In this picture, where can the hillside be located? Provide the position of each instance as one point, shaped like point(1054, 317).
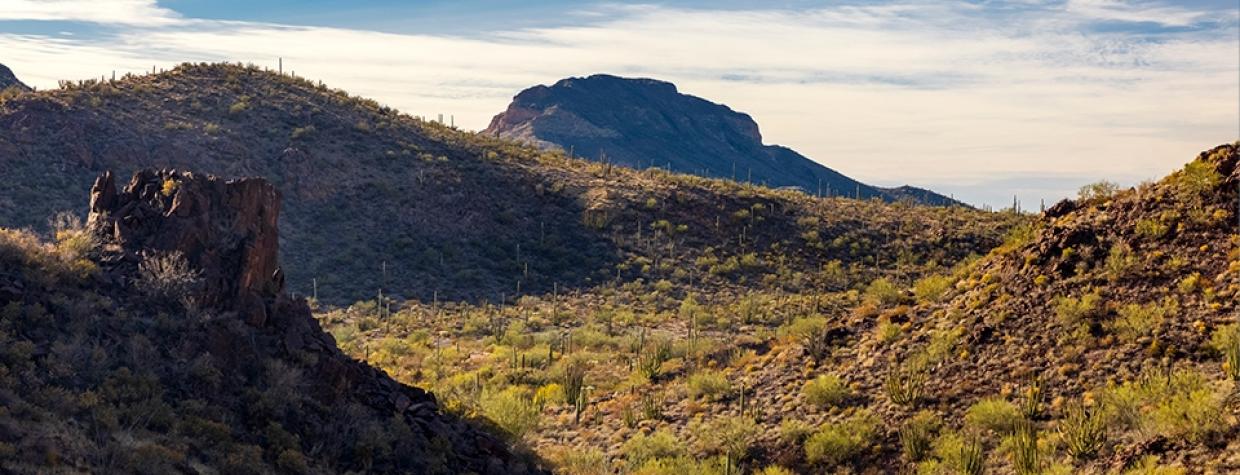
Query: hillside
point(379, 200)
point(1100, 337)
point(641, 123)
point(158, 339)
point(9, 82)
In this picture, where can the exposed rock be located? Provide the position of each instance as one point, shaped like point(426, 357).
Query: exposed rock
point(644, 123)
point(227, 232)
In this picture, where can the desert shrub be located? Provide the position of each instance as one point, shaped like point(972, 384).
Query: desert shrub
point(774, 470)
point(1196, 179)
point(794, 431)
point(1120, 261)
point(1149, 465)
point(882, 292)
point(573, 461)
point(994, 414)
point(1082, 430)
point(904, 384)
point(838, 443)
point(1180, 404)
point(886, 331)
point(512, 410)
point(825, 390)
point(932, 288)
point(1098, 191)
point(549, 394)
point(641, 448)
point(709, 384)
point(1227, 341)
point(726, 436)
point(1075, 313)
point(166, 276)
point(1151, 228)
point(959, 454)
point(917, 435)
point(1135, 321)
point(1022, 449)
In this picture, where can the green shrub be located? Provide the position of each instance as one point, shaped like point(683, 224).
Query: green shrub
point(1151, 228)
point(835, 444)
point(994, 414)
point(1135, 321)
point(726, 436)
point(512, 410)
point(1226, 341)
point(1075, 313)
point(1082, 430)
point(904, 384)
point(1149, 465)
point(1120, 262)
point(917, 435)
point(1179, 405)
point(641, 448)
point(961, 455)
point(572, 461)
point(1022, 449)
point(825, 390)
point(1098, 191)
point(1197, 179)
point(882, 292)
point(710, 384)
point(932, 288)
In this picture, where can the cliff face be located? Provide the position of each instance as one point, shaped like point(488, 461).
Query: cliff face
point(260, 369)
point(644, 123)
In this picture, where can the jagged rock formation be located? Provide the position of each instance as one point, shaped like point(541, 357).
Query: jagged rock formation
point(260, 360)
point(9, 80)
point(644, 123)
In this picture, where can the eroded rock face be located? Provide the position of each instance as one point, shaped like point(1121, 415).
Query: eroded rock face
point(227, 232)
point(226, 229)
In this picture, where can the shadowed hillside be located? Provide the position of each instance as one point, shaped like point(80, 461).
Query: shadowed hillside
point(375, 199)
point(158, 339)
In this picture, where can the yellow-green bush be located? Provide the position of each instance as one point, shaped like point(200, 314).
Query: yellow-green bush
point(825, 390)
point(512, 410)
point(709, 384)
point(994, 414)
point(838, 443)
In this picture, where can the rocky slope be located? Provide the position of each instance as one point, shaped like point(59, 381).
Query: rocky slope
point(643, 123)
point(9, 81)
point(379, 200)
point(159, 339)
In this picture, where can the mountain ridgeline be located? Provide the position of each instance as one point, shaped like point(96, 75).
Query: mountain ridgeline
point(378, 200)
point(642, 123)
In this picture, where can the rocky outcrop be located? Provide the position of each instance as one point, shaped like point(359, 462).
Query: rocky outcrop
point(227, 232)
point(644, 123)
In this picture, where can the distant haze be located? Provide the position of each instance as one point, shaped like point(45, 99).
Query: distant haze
point(981, 100)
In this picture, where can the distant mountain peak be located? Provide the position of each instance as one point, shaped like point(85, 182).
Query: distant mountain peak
point(644, 123)
point(8, 80)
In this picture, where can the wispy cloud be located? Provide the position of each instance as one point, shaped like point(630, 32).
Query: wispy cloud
point(941, 94)
point(120, 12)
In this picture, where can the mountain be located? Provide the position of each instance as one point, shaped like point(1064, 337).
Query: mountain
point(378, 201)
point(1099, 337)
point(642, 123)
point(158, 339)
point(9, 81)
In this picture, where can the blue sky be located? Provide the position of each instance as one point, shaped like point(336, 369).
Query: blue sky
point(981, 99)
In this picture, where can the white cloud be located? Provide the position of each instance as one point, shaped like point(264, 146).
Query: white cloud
point(1138, 12)
point(930, 94)
point(122, 12)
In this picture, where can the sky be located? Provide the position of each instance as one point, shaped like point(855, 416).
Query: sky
point(983, 100)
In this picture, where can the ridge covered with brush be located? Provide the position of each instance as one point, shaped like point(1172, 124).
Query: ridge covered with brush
point(158, 339)
point(376, 199)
